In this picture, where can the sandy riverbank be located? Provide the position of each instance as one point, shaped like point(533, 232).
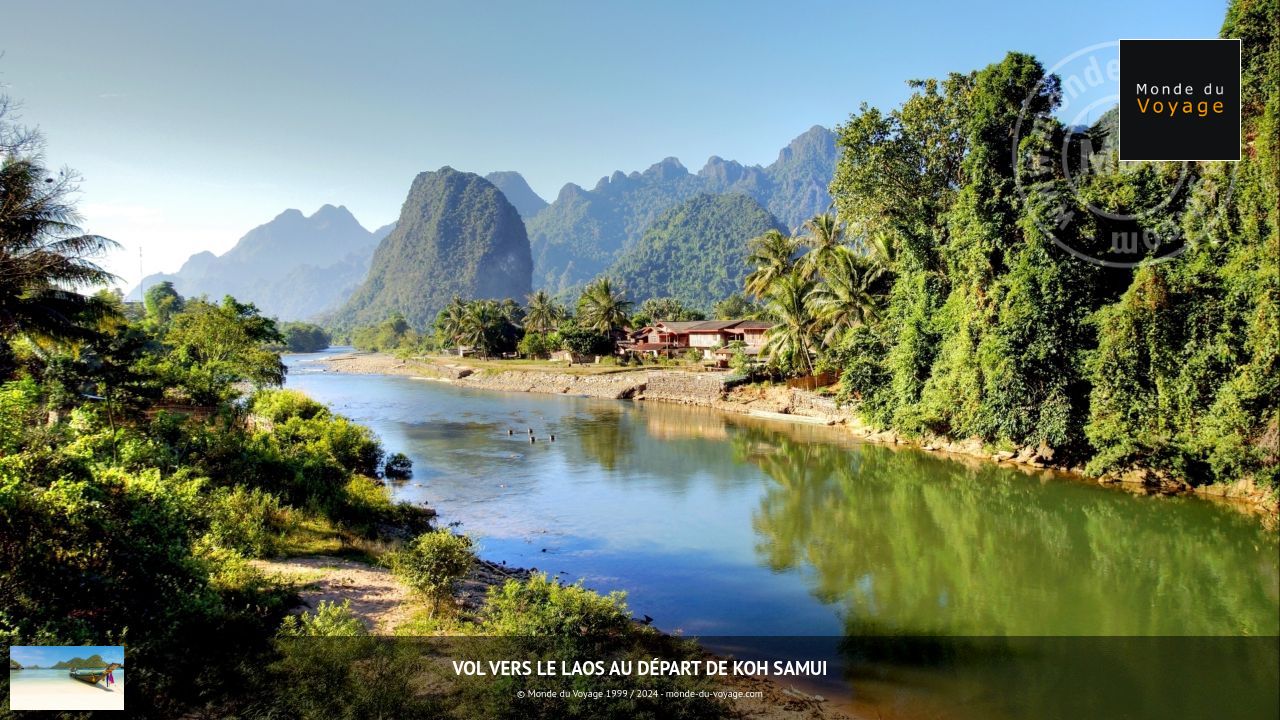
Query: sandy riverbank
point(776, 402)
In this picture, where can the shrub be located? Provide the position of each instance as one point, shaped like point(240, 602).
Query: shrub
point(329, 619)
point(398, 466)
point(433, 562)
point(543, 607)
point(280, 405)
point(353, 446)
point(536, 345)
point(581, 341)
point(364, 503)
point(248, 520)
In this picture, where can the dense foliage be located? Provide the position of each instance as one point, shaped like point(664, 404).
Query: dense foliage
point(982, 327)
point(694, 251)
point(300, 337)
point(123, 522)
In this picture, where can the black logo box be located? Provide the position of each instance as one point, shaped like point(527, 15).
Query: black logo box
point(1177, 72)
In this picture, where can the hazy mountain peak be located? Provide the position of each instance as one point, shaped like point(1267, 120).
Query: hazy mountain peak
point(293, 267)
point(817, 141)
point(512, 184)
point(669, 168)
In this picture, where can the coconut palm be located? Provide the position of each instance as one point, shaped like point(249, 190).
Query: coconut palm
point(602, 307)
point(450, 321)
point(846, 297)
point(793, 331)
point(482, 324)
point(543, 313)
point(823, 235)
point(773, 255)
point(45, 257)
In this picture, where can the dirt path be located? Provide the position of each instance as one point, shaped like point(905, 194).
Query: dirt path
point(377, 597)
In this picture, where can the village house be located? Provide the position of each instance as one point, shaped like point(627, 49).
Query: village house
point(710, 337)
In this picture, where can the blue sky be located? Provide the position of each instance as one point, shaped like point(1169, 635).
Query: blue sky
point(29, 655)
point(193, 122)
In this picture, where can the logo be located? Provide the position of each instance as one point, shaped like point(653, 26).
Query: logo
point(1118, 213)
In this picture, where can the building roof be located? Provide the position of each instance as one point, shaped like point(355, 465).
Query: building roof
point(711, 326)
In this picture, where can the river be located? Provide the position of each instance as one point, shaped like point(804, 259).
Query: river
point(937, 581)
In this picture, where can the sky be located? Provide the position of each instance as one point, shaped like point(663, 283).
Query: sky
point(191, 123)
point(48, 656)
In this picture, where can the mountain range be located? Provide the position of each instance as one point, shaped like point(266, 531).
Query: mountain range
point(293, 267)
point(583, 231)
point(457, 235)
point(305, 267)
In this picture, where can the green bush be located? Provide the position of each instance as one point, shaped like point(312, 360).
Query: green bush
point(248, 520)
point(543, 607)
point(329, 619)
point(280, 405)
point(433, 562)
point(353, 446)
point(398, 466)
point(536, 345)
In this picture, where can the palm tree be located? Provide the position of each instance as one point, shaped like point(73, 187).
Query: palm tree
point(823, 235)
point(45, 257)
point(773, 255)
point(602, 307)
point(543, 313)
point(846, 296)
point(481, 325)
point(450, 320)
point(793, 330)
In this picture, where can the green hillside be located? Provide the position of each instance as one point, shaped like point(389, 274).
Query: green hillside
point(695, 252)
point(457, 235)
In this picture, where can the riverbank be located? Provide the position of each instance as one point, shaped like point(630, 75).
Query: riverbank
point(776, 402)
point(388, 607)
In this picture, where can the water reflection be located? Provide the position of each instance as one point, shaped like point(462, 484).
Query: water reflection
point(906, 543)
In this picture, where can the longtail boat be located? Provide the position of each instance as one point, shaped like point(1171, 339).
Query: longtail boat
point(93, 676)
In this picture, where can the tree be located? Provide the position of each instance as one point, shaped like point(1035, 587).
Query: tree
point(216, 346)
point(735, 307)
point(449, 321)
point(162, 302)
point(789, 342)
point(44, 255)
point(823, 235)
point(543, 314)
point(484, 326)
point(300, 337)
point(846, 298)
point(773, 255)
point(602, 307)
point(665, 308)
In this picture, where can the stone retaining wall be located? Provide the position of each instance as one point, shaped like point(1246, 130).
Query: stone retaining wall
point(617, 386)
point(804, 402)
point(688, 388)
